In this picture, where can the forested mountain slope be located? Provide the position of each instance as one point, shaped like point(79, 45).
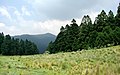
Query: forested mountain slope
point(41, 40)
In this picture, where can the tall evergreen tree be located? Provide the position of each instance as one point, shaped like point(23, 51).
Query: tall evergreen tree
point(117, 17)
point(111, 20)
point(6, 45)
point(66, 38)
point(85, 29)
point(1, 40)
point(100, 21)
point(21, 47)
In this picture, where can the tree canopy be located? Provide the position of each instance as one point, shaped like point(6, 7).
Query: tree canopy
point(104, 32)
point(11, 46)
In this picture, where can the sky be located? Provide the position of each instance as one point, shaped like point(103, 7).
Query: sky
point(47, 16)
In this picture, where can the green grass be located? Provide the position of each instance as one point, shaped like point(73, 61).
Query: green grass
point(105, 61)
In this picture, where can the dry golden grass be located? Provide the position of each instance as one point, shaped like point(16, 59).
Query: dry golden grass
point(105, 61)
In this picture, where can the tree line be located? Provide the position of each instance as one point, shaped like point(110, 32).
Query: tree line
point(12, 46)
point(104, 32)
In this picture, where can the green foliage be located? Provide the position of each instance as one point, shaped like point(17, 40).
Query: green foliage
point(11, 46)
point(65, 39)
point(104, 32)
point(41, 40)
point(117, 17)
point(1, 40)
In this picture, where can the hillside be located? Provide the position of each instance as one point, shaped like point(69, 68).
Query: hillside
point(41, 40)
point(105, 61)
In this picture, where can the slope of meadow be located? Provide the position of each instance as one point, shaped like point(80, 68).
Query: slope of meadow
point(104, 61)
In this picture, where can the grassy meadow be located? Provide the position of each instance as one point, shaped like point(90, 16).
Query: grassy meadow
point(104, 61)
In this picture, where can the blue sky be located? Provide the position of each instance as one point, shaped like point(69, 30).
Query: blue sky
point(47, 16)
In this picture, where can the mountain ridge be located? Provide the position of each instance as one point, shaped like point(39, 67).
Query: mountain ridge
point(41, 40)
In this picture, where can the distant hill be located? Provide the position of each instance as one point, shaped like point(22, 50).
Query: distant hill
point(41, 40)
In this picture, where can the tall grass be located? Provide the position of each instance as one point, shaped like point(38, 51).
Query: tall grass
point(105, 61)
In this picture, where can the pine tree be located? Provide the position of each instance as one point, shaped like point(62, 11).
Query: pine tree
point(85, 29)
point(1, 40)
point(6, 45)
point(111, 20)
point(22, 47)
point(117, 17)
point(100, 21)
point(62, 29)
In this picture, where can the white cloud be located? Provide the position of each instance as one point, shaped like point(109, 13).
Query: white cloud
point(25, 11)
point(4, 12)
point(65, 10)
point(22, 26)
point(2, 24)
point(22, 13)
point(33, 27)
point(52, 26)
point(17, 13)
point(12, 30)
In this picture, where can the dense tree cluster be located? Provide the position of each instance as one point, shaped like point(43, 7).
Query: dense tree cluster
point(105, 31)
point(11, 46)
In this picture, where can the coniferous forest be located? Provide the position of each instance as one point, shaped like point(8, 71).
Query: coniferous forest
point(11, 46)
point(104, 32)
